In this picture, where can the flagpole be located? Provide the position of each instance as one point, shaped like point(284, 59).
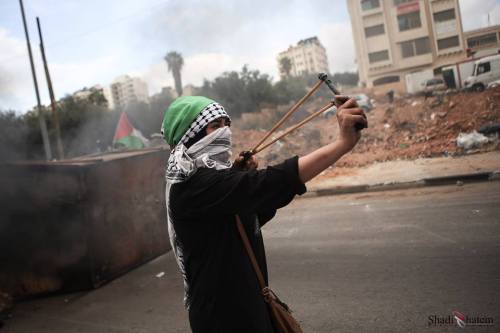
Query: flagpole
point(55, 116)
point(41, 118)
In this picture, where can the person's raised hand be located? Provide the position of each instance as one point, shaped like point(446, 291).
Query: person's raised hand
point(351, 119)
point(245, 163)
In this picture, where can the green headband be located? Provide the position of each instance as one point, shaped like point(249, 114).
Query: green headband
point(179, 116)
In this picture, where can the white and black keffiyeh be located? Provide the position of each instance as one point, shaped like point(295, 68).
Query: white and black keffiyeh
point(212, 151)
point(210, 113)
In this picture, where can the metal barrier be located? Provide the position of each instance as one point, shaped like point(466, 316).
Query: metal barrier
point(76, 224)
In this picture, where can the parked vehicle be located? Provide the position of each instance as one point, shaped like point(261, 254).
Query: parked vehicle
point(455, 75)
point(433, 85)
point(414, 81)
point(486, 70)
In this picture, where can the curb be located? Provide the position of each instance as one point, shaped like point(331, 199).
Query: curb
point(495, 175)
point(431, 181)
point(453, 179)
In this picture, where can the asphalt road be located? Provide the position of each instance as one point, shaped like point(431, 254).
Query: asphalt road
point(377, 262)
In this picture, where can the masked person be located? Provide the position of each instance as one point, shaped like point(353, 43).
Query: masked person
point(204, 192)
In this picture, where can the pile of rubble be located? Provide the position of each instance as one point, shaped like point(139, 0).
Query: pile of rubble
point(409, 128)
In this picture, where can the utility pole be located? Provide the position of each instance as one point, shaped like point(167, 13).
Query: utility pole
point(41, 118)
point(55, 116)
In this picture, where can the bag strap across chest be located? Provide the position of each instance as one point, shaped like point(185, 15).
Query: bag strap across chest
point(251, 255)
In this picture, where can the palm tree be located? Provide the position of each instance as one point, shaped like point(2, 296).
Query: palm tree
point(286, 65)
point(175, 62)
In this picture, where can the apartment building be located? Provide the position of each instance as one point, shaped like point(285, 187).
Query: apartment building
point(308, 56)
point(483, 42)
point(394, 38)
point(125, 90)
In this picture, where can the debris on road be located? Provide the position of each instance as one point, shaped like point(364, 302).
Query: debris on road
point(471, 140)
point(160, 275)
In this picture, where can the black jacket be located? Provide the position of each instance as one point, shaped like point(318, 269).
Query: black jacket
point(222, 291)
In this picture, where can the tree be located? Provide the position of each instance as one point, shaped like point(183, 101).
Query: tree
point(258, 87)
point(289, 89)
point(14, 131)
point(97, 97)
point(175, 62)
point(241, 92)
point(86, 124)
point(286, 66)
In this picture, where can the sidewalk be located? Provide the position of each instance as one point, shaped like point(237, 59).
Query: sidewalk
point(408, 174)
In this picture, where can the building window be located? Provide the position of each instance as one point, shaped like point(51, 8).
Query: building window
point(369, 4)
point(378, 56)
point(446, 43)
point(415, 47)
point(386, 80)
point(374, 30)
point(445, 15)
point(479, 41)
point(399, 2)
point(409, 21)
point(407, 49)
point(422, 46)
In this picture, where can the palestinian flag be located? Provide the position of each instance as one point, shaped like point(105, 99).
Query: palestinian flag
point(126, 135)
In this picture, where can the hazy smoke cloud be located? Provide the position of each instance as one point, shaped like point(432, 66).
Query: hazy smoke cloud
point(4, 79)
point(211, 26)
point(475, 13)
point(14, 74)
point(215, 37)
point(339, 44)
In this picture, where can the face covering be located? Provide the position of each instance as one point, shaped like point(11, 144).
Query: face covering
point(212, 151)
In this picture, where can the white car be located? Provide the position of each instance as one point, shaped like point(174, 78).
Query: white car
point(486, 70)
point(434, 85)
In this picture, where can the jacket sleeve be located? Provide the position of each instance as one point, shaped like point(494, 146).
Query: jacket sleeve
point(228, 192)
point(266, 216)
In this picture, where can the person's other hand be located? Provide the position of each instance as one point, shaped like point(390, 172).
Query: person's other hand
point(350, 117)
point(245, 164)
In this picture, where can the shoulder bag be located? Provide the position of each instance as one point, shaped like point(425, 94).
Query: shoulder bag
point(279, 311)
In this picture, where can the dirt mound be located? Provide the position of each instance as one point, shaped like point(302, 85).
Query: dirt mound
point(419, 127)
point(408, 129)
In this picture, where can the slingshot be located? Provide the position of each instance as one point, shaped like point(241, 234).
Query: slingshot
point(322, 78)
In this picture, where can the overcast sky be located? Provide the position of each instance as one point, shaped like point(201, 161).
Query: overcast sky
point(93, 41)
